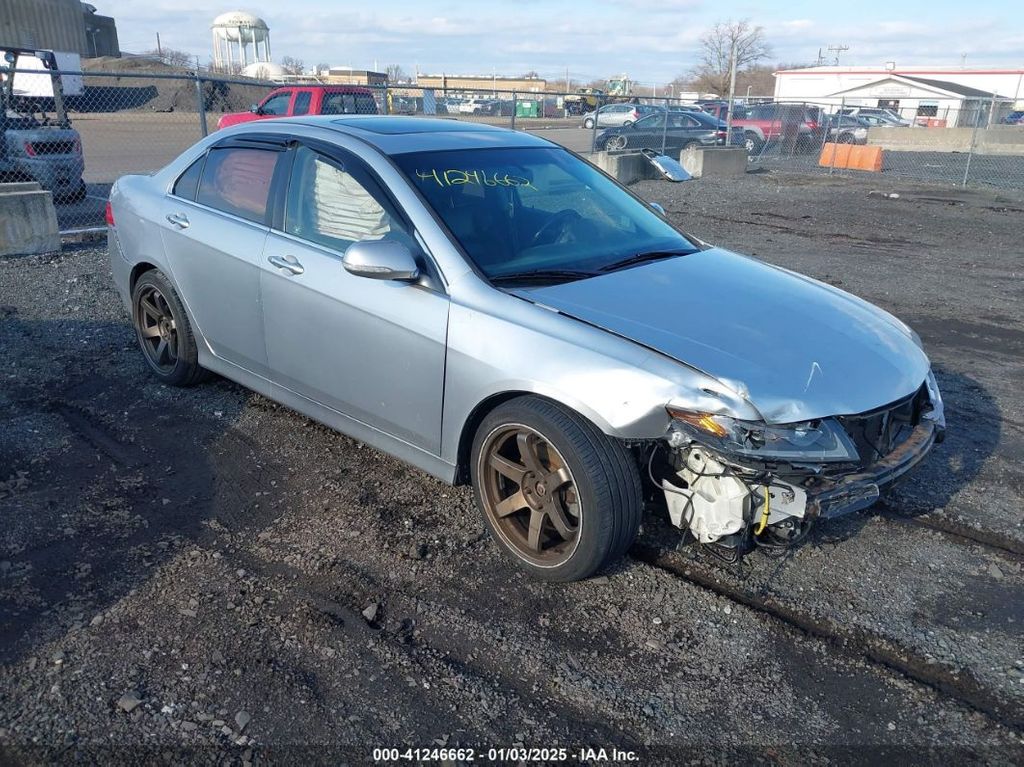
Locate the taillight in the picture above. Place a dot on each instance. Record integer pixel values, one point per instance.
(108, 214)
(636, 114)
(29, 149)
(721, 134)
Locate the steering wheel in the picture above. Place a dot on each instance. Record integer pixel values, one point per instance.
(555, 227)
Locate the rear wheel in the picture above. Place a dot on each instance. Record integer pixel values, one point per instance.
(752, 142)
(557, 494)
(846, 138)
(164, 332)
(690, 145)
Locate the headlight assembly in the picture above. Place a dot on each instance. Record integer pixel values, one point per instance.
(816, 441)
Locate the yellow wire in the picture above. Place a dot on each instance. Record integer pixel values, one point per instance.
(766, 511)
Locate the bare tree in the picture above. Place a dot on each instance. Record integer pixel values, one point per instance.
(395, 73)
(173, 58)
(531, 75)
(292, 65)
(323, 68)
(712, 73)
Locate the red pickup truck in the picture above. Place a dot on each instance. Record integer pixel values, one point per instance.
(307, 100)
(767, 123)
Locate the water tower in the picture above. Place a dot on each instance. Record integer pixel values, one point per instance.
(240, 39)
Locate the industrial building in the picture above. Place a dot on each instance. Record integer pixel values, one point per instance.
(492, 84)
(68, 26)
(345, 76)
(949, 96)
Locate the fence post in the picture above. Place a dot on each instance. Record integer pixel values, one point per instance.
(664, 131)
(970, 149)
(593, 135)
(515, 100)
(835, 142)
(201, 106)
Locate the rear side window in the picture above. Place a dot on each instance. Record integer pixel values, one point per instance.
(188, 182)
(302, 103)
(237, 180)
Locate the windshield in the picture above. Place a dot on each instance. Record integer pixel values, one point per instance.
(537, 209)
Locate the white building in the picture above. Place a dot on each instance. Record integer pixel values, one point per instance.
(945, 95)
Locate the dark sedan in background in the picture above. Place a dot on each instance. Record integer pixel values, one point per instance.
(685, 129)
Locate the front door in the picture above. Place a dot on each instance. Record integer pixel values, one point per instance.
(373, 350)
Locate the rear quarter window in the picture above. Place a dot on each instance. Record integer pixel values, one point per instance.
(188, 182)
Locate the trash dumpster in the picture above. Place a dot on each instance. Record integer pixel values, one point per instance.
(529, 108)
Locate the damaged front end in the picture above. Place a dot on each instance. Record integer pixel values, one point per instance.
(738, 484)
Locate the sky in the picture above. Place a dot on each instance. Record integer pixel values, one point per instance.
(652, 41)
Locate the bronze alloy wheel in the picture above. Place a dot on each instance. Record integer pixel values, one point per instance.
(158, 330)
(529, 495)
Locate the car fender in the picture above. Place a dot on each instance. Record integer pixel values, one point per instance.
(502, 344)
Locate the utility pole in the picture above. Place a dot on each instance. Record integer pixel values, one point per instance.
(567, 79)
(837, 49)
(159, 50)
(732, 91)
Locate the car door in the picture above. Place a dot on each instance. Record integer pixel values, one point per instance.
(276, 104)
(213, 234)
(373, 350)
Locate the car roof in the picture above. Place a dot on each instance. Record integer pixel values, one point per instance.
(394, 135)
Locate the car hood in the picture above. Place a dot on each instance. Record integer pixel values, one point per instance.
(795, 348)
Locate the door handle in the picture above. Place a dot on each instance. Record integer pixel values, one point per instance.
(288, 263)
(180, 220)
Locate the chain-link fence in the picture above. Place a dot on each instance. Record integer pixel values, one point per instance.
(138, 121)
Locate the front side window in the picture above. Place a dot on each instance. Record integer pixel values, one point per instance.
(237, 180)
(276, 105)
(335, 204)
(521, 209)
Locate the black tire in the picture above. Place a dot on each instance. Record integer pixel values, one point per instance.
(588, 123)
(846, 138)
(615, 143)
(690, 145)
(176, 361)
(753, 142)
(603, 478)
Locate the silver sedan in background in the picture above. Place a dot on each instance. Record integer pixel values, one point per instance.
(495, 310)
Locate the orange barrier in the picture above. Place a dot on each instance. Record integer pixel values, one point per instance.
(851, 157)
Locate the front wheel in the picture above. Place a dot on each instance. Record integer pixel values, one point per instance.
(559, 496)
(752, 142)
(588, 123)
(615, 143)
(163, 331)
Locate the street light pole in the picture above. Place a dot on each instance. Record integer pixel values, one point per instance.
(732, 92)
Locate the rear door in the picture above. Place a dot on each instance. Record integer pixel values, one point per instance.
(214, 229)
(373, 350)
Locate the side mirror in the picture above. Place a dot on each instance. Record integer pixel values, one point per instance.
(657, 209)
(381, 260)
(254, 108)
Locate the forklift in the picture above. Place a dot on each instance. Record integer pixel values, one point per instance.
(41, 148)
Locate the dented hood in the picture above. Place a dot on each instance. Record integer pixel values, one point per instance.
(795, 348)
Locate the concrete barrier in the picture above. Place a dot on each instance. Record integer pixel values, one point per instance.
(714, 161)
(993, 140)
(19, 186)
(625, 168)
(28, 223)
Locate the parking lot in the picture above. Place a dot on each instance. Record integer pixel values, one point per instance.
(203, 569)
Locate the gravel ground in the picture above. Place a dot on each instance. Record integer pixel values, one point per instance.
(203, 574)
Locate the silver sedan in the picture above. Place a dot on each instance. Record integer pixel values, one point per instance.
(495, 310)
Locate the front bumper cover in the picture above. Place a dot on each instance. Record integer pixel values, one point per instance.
(830, 498)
